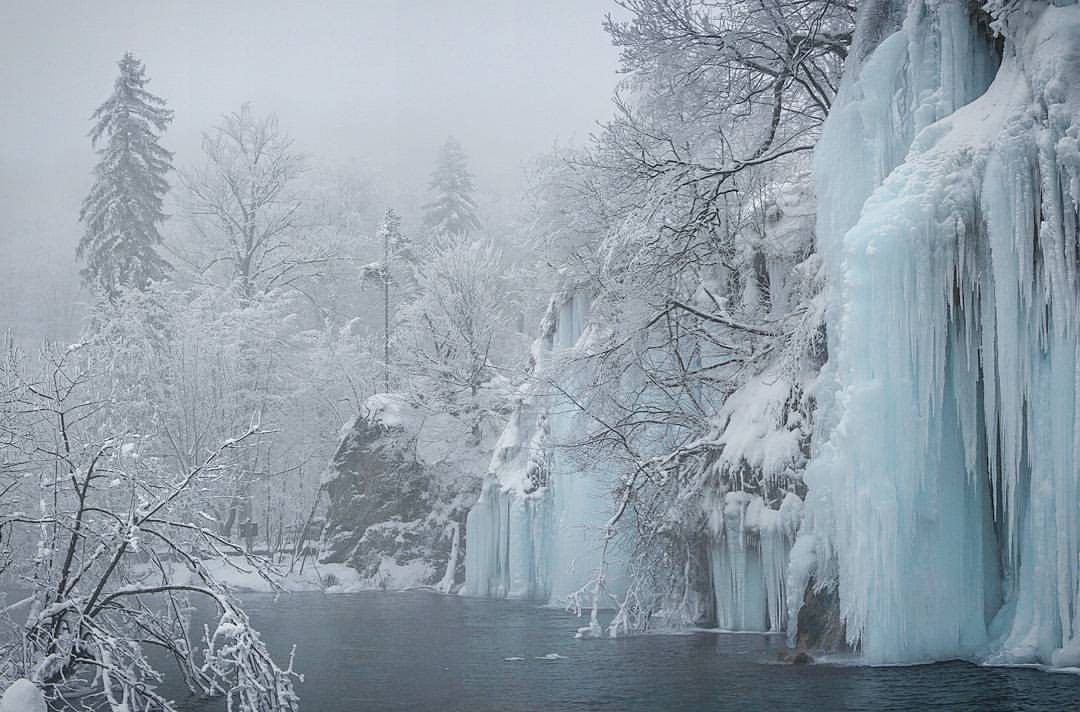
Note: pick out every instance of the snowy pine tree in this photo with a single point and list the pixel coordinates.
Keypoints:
(453, 211)
(124, 206)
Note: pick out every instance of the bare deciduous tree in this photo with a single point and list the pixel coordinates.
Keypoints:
(457, 317)
(114, 555)
(244, 195)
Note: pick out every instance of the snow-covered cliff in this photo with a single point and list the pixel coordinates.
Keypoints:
(944, 497)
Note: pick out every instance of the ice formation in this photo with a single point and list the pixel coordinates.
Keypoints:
(944, 497)
(758, 436)
(748, 558)
(536, 530)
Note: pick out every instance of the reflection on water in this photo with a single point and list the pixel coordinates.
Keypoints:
(420, 651)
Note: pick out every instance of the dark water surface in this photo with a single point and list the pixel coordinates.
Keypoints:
(421, 651)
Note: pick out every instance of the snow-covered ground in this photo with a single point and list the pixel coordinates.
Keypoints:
(22, 696)
(239, 577)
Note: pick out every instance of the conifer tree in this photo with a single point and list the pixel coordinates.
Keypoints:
(124, 206)
(453, 211)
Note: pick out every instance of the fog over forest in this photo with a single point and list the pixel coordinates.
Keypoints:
(368, 91)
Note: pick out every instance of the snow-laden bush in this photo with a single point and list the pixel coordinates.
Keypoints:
(104, 533)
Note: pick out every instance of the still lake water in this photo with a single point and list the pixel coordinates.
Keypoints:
(423, 651)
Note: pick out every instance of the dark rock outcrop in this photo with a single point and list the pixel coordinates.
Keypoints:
(820, 626)
(390, 516)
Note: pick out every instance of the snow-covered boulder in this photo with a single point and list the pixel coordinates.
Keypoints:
(22, 696)
(396, 511)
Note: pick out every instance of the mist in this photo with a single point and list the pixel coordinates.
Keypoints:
(368, 90)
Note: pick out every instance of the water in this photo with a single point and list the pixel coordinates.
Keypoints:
(420, 651)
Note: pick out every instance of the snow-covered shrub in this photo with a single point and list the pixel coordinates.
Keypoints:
(102, 530)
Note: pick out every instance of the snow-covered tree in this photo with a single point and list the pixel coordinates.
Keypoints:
(106, 530)
(396, 273)
(758, 77)
(193, 366)
(453, 210)
(244, 200)
(457, 317)
(124, 207)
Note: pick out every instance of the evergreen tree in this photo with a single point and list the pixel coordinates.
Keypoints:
(124, 207)
(453, 211)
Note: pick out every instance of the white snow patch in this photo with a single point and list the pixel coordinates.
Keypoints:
(22, 696)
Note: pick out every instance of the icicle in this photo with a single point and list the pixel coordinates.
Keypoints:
(749, 555)
(537, 536)
(944, 484)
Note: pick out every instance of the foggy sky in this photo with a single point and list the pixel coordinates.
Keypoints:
(369, 86)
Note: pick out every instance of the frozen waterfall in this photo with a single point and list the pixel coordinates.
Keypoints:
(536, 531)
(748, 556)
(944, 497)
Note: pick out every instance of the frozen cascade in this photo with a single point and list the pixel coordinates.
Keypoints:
(749, 554)
(753, 512)
(506, 533)
(943, 489)
(535, 532)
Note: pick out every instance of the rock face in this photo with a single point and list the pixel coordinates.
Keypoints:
(375, 480)
(820, 626)
(382, 500)
(396, 505)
